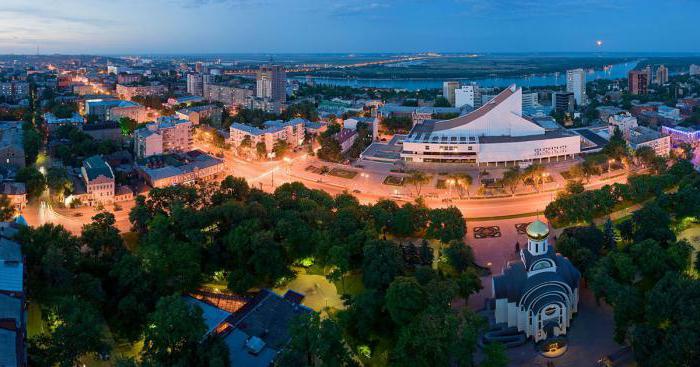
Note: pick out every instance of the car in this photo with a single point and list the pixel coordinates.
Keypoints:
(78, 214)
(356, 191)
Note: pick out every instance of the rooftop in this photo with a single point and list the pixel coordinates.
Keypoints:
(171, 165)
(95, 167)
(11, 266)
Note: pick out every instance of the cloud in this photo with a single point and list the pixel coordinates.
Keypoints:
(359, 8)
(523, 9)
(231, 3)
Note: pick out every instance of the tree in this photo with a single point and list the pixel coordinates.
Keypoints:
(441, 102)
(330, 149)
(127, 125)
(261, 150)
(616, 148)
(58, 182)
(511, 179)
(405, 299)
(574, 187)
(646, 155)
(462, 181)
(315, 342)
(459, 255)
(175, 330)
(418, 179)
(495, 355)
(446, 224)
(382, 262)
(280, 148)
(438, 337)
(469, 283)
(31, 140)
(7, 209)
(34, 181)
(232, 188)
(78, 331)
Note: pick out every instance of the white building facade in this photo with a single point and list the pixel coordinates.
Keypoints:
(494, 134)
(576, 84)
(468, 95)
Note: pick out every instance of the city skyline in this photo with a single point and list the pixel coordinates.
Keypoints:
(309, 26)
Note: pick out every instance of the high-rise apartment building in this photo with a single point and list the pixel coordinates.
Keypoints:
(576, 84)
(661, 75)
(468, 95)
(637, 82)
(271, 83)
(448, 91)
(694, 69)
(196, 83)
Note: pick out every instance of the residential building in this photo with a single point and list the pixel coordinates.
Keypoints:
(107, 130)
(291, 131)
(604, 112)
(196, 114)
(99, 181)
(661, 75)
(448, 91)
(494, 134)
(563, 102)
(530, 100)
(682, 135)
(166, 135)
(625, 122)
(11, 144)
(17, 193)
(14, 90)
(694, 69)
(13, 322)
(468, 95)
(113, 109)
(196, 83)
(179, 168)
(346, 138)
(576, 84)
(128, 92)
(227, 95)
(54, 122)
(124, 78)
(638, 82)
(641, 136)
(538, 294)
(271, 83)
(669, 113)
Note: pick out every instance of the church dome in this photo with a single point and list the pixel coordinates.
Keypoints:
(537, 230)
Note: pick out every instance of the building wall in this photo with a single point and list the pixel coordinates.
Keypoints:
(137, 113)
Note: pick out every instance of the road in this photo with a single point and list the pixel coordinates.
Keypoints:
(368, 187)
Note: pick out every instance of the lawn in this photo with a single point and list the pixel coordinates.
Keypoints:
(343, 173)
(393, 181)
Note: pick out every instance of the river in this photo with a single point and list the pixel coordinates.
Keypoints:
(616, 71)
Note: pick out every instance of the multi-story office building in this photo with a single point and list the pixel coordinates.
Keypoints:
(661, 75)
(494, 134)
(638, 82)
(114, 109)
(448, 91)
(576, 84)
(563, 102)
(291, 131)
(271, 83)
(166, 135)
(642, 136)
(124, 78)
(227, 95)
(468, 95)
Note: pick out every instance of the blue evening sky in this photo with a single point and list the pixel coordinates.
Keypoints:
(218, 26)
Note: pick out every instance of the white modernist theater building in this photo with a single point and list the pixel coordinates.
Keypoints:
(494, 134)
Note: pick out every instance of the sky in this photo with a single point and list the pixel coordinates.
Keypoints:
(328, 26)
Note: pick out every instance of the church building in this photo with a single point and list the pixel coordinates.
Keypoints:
(539, 293)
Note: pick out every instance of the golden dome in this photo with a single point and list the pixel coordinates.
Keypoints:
(537, 230)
